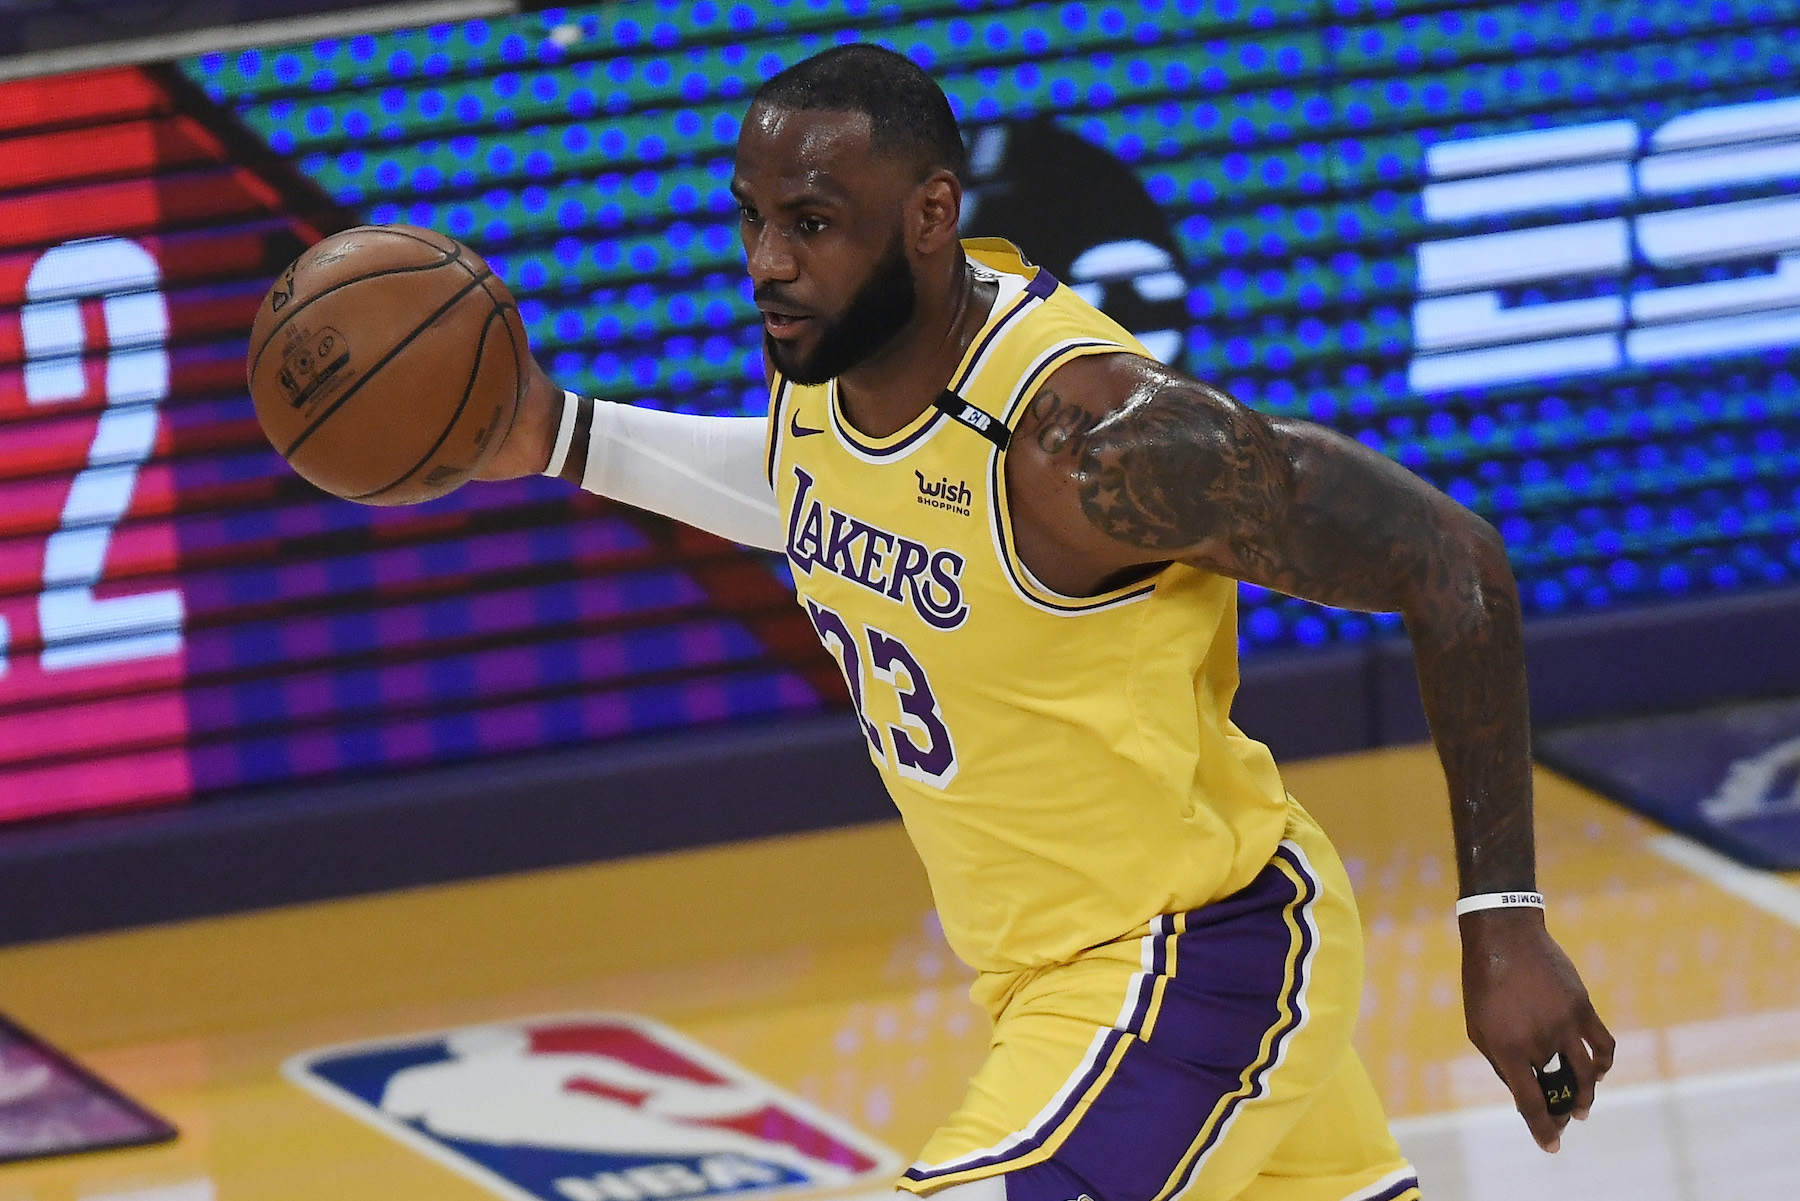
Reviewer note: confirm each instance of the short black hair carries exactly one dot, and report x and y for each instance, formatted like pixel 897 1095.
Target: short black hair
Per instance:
pixel 908 113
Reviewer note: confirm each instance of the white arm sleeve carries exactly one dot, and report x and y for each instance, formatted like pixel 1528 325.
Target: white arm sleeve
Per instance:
pixel 705 471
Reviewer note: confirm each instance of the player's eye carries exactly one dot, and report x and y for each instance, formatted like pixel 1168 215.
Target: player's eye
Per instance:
pixel 811 225
pixel 747 215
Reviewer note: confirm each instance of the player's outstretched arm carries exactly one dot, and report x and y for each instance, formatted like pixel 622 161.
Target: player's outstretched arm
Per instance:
pixel 1121 463
pixel 705 471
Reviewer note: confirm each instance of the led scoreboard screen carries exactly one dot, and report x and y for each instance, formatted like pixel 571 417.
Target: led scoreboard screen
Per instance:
pixel 1547 255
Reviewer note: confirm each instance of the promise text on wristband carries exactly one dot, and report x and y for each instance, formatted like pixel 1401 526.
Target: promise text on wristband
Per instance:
pixel 1499 900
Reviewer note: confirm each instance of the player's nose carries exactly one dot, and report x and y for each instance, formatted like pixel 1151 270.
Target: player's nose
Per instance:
pixel 768 256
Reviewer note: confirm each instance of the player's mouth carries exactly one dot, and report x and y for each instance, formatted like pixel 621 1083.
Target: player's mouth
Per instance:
pixel 783 325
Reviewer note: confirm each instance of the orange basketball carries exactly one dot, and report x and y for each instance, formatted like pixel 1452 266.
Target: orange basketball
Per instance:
pixel 387 363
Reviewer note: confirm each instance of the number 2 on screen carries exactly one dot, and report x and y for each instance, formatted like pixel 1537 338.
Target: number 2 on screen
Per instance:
pixel 923 750
pixel 79 629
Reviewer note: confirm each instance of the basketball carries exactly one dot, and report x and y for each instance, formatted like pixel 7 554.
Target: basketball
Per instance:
pixel 386 363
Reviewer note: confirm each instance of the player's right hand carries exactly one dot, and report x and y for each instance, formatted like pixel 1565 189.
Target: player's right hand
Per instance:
pixel 527 445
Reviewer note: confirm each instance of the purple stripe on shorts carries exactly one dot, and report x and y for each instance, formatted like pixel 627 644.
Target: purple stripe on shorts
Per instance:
pixel 1230 990
pixel 1146 984
pixel 1310 893
pixel 1036 1136
pixel 1392 1194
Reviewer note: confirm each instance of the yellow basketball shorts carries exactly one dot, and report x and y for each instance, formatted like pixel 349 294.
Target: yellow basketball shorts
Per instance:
pixel 1206 1057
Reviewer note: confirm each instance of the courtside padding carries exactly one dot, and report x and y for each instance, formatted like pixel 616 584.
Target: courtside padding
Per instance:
pixel 783 776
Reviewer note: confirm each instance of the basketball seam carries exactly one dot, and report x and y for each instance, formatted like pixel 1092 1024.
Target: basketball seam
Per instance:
pixel 519 373
pixel 455 252
pixel 464 264
pixel 269 339
pixel 375 367
pixel 461 405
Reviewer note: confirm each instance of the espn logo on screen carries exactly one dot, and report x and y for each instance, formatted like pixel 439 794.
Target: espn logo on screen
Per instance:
pixel 1622 290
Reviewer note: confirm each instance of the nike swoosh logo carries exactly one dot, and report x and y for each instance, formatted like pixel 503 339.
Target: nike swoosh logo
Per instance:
pixel 801 431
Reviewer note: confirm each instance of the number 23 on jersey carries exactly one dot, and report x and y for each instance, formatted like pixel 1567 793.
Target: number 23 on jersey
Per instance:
pixel 921 747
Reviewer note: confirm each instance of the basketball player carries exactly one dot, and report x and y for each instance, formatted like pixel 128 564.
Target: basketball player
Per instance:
pixel 1020 536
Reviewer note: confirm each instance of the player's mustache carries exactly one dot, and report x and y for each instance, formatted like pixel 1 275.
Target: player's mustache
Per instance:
pixel 770 296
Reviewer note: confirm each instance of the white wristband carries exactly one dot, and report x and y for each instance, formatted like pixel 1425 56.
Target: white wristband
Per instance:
pixel 1499 900
pixel 565 435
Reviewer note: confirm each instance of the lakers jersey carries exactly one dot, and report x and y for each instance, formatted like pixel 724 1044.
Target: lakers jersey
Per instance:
pixel 1065 765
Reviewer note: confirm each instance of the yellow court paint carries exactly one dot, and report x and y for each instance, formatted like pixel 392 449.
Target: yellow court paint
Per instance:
pixel 815 962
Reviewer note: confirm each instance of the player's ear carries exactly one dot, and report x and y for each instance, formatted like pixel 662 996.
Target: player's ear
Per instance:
pixel 937 208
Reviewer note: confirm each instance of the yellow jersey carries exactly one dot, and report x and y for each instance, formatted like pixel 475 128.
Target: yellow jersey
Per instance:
pixel 1066 766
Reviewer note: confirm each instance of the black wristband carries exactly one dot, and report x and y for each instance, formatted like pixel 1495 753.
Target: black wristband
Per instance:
pixel 1557 1079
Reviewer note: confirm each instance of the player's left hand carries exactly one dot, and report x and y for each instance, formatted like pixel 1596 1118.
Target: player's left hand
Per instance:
pixel 526 449
pixel 1524 1002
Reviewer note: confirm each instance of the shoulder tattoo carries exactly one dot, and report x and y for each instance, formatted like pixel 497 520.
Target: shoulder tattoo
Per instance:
pixel 1176 464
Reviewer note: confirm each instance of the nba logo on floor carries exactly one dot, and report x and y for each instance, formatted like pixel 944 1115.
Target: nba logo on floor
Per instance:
pixel 592 1108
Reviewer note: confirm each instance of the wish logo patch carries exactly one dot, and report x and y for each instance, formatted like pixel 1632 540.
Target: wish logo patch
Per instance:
pixel 592 1108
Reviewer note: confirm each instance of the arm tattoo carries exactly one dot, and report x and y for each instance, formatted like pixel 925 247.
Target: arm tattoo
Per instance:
pixel 1060 426
pixel 1179 464
pixel 1181 471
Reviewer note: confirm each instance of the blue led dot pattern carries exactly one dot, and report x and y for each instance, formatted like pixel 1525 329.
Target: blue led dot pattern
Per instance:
pixel 1304 160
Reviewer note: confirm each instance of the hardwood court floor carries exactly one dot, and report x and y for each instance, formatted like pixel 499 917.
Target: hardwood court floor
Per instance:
pixel 815 963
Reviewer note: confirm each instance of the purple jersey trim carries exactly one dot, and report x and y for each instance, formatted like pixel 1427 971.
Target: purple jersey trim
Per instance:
pixel 780 394
pixel 1025 301
pixel 1039 595
pixel 855 439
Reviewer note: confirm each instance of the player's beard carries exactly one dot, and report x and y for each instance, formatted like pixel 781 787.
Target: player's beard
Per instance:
pixel 878 311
